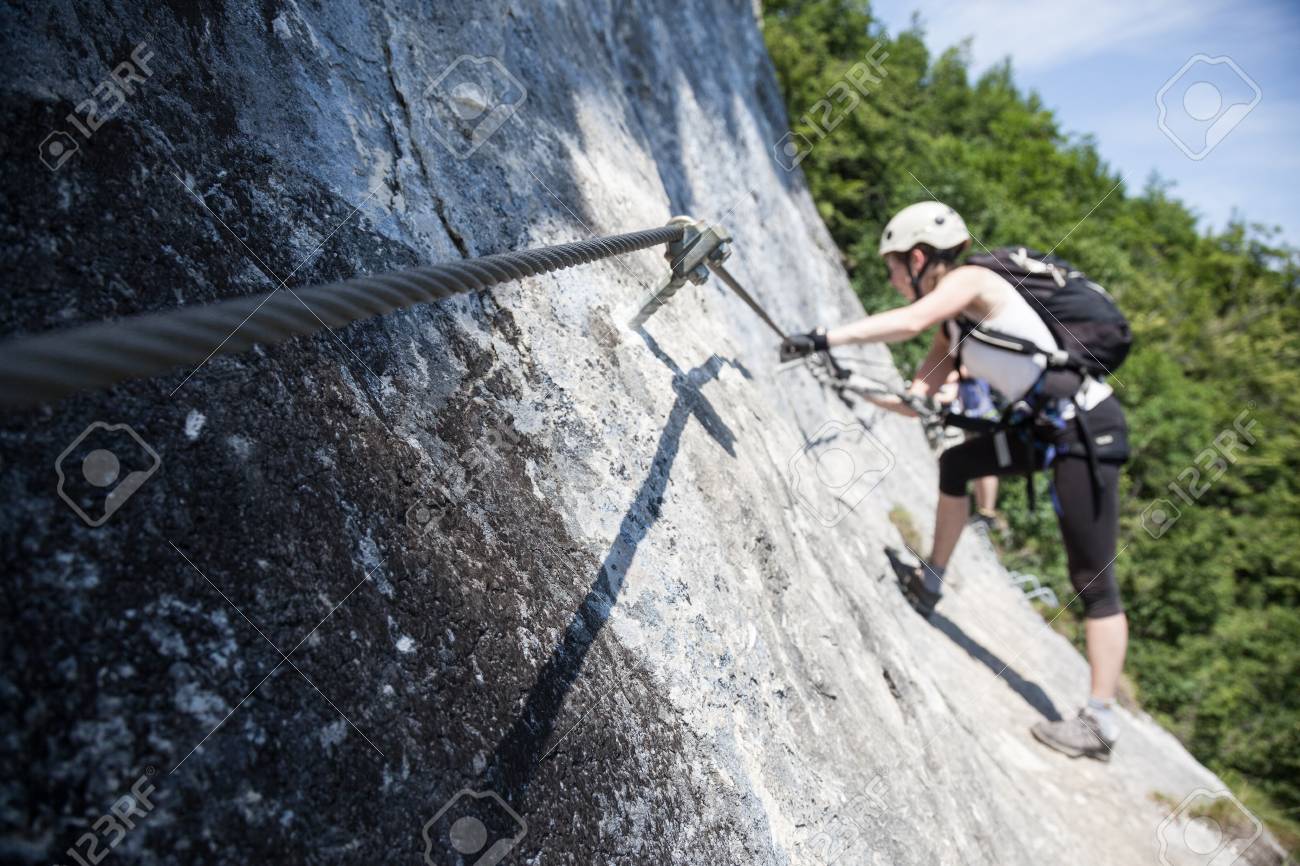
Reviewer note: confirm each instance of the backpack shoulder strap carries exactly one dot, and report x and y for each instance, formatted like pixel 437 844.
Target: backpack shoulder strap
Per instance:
pixel 1019 345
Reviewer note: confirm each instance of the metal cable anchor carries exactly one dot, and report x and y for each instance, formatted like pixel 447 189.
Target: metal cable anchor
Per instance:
pixel 689 259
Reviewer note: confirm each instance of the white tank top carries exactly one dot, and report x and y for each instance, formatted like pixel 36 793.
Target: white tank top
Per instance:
pixel 1012 374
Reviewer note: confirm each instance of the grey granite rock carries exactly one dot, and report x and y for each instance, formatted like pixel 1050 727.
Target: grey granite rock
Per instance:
pixel 506 544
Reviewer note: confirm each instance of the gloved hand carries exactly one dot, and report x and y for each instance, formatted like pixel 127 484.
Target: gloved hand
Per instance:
pixel 799 346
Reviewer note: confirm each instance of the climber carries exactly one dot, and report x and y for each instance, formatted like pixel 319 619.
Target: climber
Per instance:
pixel 1078 429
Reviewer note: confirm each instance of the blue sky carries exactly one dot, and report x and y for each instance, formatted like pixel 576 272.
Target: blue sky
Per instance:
pixel 1099 65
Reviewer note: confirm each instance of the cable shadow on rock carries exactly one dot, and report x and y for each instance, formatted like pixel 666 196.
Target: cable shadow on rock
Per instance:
pixel 525 744
pixel 1030 691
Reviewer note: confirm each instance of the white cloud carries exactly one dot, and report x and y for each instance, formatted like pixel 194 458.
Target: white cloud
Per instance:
pixel 1044 35
pixel 1099 64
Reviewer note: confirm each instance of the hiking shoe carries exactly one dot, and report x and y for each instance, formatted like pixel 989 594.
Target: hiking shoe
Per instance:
pixel 990 523
pixel 911 579
pixel 1078 737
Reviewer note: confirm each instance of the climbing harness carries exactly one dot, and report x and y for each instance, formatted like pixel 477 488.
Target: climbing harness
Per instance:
pixel 1036 422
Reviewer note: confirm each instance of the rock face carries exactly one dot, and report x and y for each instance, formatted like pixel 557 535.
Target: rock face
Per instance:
pixel 503 543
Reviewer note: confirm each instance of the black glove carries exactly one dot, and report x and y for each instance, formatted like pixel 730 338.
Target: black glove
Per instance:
pixel 802 345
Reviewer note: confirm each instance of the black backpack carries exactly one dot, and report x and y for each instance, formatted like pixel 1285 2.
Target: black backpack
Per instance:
pixel 1093 334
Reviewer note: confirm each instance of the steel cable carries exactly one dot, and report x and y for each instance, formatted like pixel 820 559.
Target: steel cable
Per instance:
pixel 56 363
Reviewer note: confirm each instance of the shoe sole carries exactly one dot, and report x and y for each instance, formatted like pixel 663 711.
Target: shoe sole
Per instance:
pixel 1070 751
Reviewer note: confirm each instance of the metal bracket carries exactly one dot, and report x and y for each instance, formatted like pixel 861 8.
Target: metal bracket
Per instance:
pixel 689 259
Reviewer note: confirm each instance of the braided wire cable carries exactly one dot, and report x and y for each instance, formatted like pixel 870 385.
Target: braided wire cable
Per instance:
pixel 53 364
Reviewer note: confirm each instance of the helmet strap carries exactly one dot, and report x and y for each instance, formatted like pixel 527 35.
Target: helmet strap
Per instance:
pixel 937 256
pixel 918 276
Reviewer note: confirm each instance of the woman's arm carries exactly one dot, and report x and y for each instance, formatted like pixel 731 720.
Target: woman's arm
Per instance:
pixel 953 294
pixel 947 393
pixel 937 368
pixel 934 371
pixel 892 402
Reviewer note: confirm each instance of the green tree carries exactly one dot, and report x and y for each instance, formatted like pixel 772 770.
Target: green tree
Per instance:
pixel 1212 601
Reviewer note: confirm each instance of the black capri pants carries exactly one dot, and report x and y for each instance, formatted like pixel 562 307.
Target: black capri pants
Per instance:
pixel 1089 519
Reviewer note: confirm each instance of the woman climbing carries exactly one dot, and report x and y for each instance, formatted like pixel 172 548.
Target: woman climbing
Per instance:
pixel 1066 418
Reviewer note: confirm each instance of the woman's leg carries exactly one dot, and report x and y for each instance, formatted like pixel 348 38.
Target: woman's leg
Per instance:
pixel 1089 528
pixel 986 494
pixel 1107 638
pixel 1090 531
pixel 949 520
pixel 978 457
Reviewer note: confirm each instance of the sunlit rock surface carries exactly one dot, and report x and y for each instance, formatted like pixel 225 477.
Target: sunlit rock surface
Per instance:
pixel 507 545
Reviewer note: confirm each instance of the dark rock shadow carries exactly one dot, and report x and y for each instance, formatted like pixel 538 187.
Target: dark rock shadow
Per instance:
pixel 524 745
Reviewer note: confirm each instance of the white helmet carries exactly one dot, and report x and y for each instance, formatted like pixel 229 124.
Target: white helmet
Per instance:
pixel 926 222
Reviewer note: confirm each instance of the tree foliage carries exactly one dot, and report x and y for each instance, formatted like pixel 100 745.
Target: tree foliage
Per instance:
pixel 1213 599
